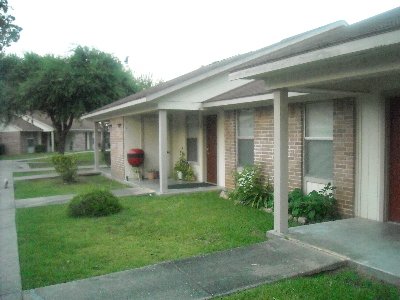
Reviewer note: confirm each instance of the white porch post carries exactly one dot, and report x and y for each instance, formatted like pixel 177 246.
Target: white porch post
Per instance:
pixel 96 146
pixel 162 146
pixel 52 140
pixel 281 161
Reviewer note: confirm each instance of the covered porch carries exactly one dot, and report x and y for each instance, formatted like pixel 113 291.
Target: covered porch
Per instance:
pixel 163 134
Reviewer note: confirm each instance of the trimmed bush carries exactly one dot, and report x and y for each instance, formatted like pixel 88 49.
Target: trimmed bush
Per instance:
pixel 40 148
pixel 96 203
pixel 66 166
pixel 250 188
pixel 316 206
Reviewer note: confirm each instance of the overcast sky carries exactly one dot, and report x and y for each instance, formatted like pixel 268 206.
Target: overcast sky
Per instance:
pixel 167 38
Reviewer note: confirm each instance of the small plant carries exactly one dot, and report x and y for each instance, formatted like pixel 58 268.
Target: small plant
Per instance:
pixel 251 189
pixel 66 166
pixel 96 203
pixel 40 148
pixel 183 166
pixel 316 206
pixel 107 157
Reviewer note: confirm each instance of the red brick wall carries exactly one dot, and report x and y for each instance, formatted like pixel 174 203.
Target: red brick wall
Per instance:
pixel 344 155
pixel 264 140
pixel 117 148
pixel 230 148
pixel 295 145
pixel 264 144
pixel 12 142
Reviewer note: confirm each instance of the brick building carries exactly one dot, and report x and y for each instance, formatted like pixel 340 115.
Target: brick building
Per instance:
pixel 313 109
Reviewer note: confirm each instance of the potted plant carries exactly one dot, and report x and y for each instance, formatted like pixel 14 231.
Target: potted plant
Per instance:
pixel 152 174
pixel 182 169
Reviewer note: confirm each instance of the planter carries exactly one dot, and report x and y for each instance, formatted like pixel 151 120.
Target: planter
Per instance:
pixel 151 175
pixel 180 175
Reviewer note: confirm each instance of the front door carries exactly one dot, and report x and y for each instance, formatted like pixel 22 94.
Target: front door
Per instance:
pixel 211 144
pixel 394 169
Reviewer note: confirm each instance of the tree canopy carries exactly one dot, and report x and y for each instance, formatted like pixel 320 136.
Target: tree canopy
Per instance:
pixel 9 32
pixel 63 88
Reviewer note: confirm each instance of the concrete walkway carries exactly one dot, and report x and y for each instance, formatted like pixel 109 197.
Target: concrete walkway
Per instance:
pixel 200 277
pixel 10 279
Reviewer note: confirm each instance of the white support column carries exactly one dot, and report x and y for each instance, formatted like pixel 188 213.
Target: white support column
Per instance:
pixel 281 161
pixel 52 140
pixel 163 149
pixel 96 146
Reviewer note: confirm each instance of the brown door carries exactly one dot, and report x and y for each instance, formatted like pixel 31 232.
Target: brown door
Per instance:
pixel 394 169
pixel 211 144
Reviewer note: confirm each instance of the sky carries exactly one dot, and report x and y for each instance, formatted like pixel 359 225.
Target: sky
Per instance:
pixel 168 38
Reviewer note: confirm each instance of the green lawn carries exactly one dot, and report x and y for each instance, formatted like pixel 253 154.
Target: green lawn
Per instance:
pixel 24 156
pixel 54 248
pixel 84 159
pixel 340 285
pixel 55 186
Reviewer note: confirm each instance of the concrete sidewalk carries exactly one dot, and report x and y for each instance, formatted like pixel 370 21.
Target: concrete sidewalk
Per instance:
pixel 200 277
pixel 10 279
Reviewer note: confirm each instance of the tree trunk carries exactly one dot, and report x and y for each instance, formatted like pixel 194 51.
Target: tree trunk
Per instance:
pixel 62 137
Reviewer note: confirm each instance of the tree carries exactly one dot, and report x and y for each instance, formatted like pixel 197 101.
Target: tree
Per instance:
pixel 64 88
pixel 8 31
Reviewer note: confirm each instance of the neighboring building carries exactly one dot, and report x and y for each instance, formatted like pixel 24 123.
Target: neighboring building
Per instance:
pixel 319 107
pixel 22 134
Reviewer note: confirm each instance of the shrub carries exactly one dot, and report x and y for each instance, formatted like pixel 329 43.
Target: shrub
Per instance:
pixel 182 165
pixel 107 157
pixel 66 166
pixel 2 149
pixel 96 203
pixel 40 148
pixel 316 206
pixel 250 188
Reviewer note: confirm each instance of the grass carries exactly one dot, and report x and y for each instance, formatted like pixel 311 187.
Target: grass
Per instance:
pixel 54 186
pixel 84 159
pixel 43 160
pixel 340 285
pixel 54 248
pixel 30 173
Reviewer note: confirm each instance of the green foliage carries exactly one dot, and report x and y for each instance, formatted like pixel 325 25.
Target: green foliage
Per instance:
pixel 40 148
pixel 107 157
pixel 251 189
pixel 66 166
pixel 316 206
pixel 2 149
pixel 63 88
pixel 9 32
pixel 96 203
pixel 182 165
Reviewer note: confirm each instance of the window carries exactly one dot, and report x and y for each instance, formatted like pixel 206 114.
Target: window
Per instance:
pixel 318 154
pixel 245 138
pixel 192 125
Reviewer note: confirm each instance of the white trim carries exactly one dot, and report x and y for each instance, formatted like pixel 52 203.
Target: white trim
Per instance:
pixel 114 108
pixel 384 39
pixel 249 99
pixel 170 105
pixel 45 127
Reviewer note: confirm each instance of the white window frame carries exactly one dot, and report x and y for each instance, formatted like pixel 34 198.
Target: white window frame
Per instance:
pixel 242 137
pixel 315 138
